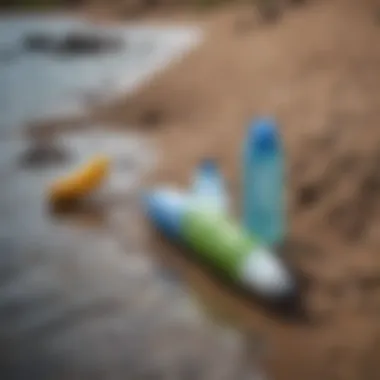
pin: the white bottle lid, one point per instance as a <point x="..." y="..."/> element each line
<point x="263" y="272"/>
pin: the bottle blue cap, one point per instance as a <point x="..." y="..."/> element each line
<point x="165" y="208"/>
<point x="263" y="135"/>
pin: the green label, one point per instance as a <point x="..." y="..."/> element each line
<point x="218" y="240"/>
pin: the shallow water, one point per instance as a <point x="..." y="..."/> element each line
<point x="25" y="210"/>
<point x="81" y="293"/>
<point x="36" y="86"/>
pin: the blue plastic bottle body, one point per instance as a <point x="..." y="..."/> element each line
<point x="264" y="193"/>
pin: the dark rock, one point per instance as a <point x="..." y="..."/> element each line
<point x="43" y="154"/>
<point x="39" y="42"/>
<point x="86" y="43"/>
<point x="74" y="43"/>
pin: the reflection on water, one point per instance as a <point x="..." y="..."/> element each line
<point x="35" y="86"/>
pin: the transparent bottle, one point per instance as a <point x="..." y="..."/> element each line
<point x="264" y="182"/>
<point x="209" y="188"/>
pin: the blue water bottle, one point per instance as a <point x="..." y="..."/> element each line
<point x="208" y="187"/>
<point x="263" y="182"/>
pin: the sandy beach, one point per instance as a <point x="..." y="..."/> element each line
<point x="316" y="71"/>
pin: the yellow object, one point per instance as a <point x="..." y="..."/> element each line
<point x="81" y="182"/>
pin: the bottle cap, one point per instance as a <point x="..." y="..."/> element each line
<point x="165" y="208"/>
<point x="264" y="136"/>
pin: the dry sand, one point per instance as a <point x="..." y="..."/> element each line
<point x="317" y="71"/>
